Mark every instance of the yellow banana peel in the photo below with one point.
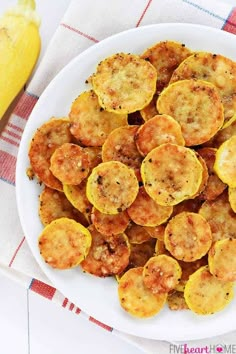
(19, 49)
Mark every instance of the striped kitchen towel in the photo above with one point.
(85, 23)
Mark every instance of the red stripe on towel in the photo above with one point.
(16, 251)
(15, 127)
(42, 289)
(77, 311)
(25, 105)
(230, 23)
(9, 141)
(71, 306)
(14, 135)
(143, 13)
(65, 302)
(108, 328)
(8, 165)
(79, 32)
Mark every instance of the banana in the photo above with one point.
(20, 45)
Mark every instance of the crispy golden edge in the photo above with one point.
(214, 186)
(108, 254)
(232, 198)
(137, 234)
(166, 56)
(221, 259)
(100, 195)
(161, 187)
(205, 176)
(210, 68)
(70, 163)
(75, 237)
(220, 217)
(156, 232)
(188, 244)
(189, 268)
(209, 123)
(110, 224)
(150, 110)
(54, 205)
(158, 130)
(161, 274)
(42, 138)
(161, 249)
(120, 146)
(216, 301)
(77, 197)
(136, 299)
(111, 96)
(145, 211)
(176, 301)
(140, 253)
(225, 158)
(90, 123)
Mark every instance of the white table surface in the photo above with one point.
(30, 324)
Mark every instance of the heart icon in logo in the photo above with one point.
(219, 349)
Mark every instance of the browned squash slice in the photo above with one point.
(78, 198)
(218, 70)
(166, 56)
(108, 255)
(171, 174)
(112, 187)
(176, 301)
(225, 166)
(158, 130)
(220, 217)
(161, 274)
(110, 224)
(45, 141)
(137, 234)
(156, 232)
(188, 236)
(150, 110)
(70, 164)
(120, 146)
(214, 186)
(189, 268)
(205, 294)
(135, 298)
(54, 205)
(197, 107)
(124, 83)
(64, 243)
(91, 124)
(222, 260)
(146, 212)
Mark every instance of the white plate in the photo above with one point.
(98, 297)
